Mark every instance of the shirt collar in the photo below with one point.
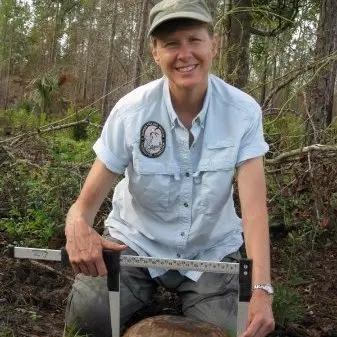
(200, 118)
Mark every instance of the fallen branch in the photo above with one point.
(17, 138)
(42, 265)
(315, 147)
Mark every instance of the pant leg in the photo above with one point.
(88, 302)
(213, 298)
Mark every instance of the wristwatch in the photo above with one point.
(267, 287)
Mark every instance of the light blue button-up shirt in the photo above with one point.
(176, 200)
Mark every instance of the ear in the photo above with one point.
(214, 46)
(155, 54)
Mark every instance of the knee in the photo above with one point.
(88, 307)
(221, 311)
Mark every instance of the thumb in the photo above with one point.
(107, 244)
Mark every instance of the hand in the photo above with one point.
(85, 246)
(260, 316)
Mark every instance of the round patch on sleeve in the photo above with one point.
(152, 140)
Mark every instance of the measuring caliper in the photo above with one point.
(115, 260)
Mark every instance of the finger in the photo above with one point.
(91, 265)
(251, 330)
(101, 268)
(107, 244)
(75, 268)
(83, 269)
(87, 262)
(265, 328)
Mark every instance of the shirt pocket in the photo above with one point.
(216, 173)
(154, 185)
(222, 155)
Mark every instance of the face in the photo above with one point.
(185, 57)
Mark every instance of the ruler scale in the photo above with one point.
(114, 260)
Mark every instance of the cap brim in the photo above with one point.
(179, 15)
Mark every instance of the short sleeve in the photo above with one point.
(252, 144)
(111, 147)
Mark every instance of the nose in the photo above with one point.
(184, 52)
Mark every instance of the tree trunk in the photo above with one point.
(321, 90)
(107, 75)
(264, 73)
(224, 23)
(53, 51)
(8, 77)
(238, 37)
(140, 43)
(88, 52)
(9, 66)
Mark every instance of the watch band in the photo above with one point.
(267, 287)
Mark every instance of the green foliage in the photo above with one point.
(14, 120)
(72, 331)
(287, 307)
(6, 331)
(331, 133)
(75, 144)
(36, 202)
(284, 132)
(44, 90)
(274, 14)
(27, 105)
(43, 176)
(68, 150)
(14, 17)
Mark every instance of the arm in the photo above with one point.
(84, 244)
(252, 193)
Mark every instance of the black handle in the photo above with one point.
(245, 280)
(112, 262)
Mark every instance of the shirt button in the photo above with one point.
(178, 255)
(187, 174)
(182, 234)
(185, 204)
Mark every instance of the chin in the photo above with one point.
(189, 85)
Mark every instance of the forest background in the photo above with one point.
(65, 63)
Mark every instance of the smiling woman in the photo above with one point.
(178, 141)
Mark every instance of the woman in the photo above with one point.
(178, 140)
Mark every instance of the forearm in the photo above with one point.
(252, 192)
(256, 232)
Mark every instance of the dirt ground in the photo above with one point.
(33, 295)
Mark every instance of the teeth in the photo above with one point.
(186, 69)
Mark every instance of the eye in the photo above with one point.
(195, 40)
(170, 44)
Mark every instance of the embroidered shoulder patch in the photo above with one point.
(152, 139)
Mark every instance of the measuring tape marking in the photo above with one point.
(179, 264)
(137, 261)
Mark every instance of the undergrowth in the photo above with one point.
(43, 174)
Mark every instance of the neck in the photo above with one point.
(188, 103)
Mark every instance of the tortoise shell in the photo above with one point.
(173, 326)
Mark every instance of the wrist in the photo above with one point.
(263, 287)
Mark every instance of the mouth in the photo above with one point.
(186, 69)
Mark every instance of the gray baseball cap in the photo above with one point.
(175, 9)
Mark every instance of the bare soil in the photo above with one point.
(33, 296)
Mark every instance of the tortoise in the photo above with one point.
(173, 326)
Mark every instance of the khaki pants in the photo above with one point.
(213, 298)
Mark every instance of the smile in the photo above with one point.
(186, 69)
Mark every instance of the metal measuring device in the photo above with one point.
(115, 260)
